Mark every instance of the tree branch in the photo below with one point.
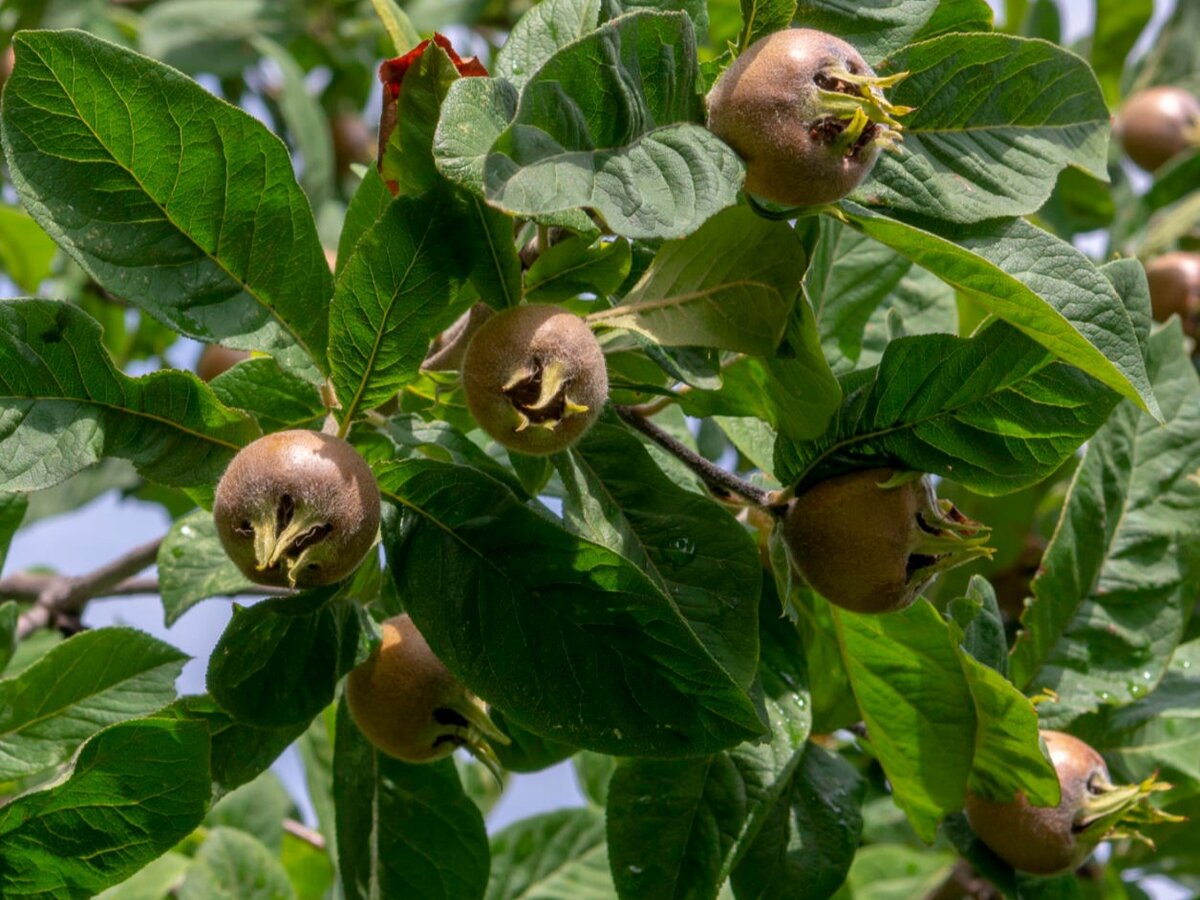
(717, 479)
(304, 833)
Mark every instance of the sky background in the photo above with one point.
(106, 528)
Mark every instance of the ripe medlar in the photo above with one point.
(535, 378)
(216, 360)
(1155, 124)
(409, 705)
(870, 541)
(1045, 840)
(1175, 289)
(297, 509)
(806, 114)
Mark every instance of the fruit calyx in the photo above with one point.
(540, 396)
(858, 116)
(944, 537)
(466, 724)
(286, 537)
(1112, 812)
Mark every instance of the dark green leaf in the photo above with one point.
(983, 628)
(974, 118)
(404, 830)
(278, 399)
(761, 17)
(1120, 576)
(9, 614)
(594, 653)
(396, 292)
(212, 35)
(257, 808)
(370, 201)
(528, 752)
(954, 16)
(136, 790)
(1118, 25)
(1033, 281)
(182, 204)
(279, 662)
(875, 27)
(65, 405)
(92, 680)
(233, 865)
(442, 441)
(559, 854)
(576, 266)
(12, 512)
(193, 566)
(594, 772)
(316, 752)
(994, 412)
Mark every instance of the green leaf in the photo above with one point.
(528, 752)
(975, 147)
(1120, 577)
(643, 166)
(994, 412)
(855, 283)
(594, 772)
(545, 29)
(370, 201)
(65, 405)
(92, 680)
(26, 251)
(928, 706)
(576, 266)
(193, 566)
(978, 615)
(316, 752)
(257, 808)
(151, 883)
(617, 667)
(278, 663)
(761, 17)
(404, 830)
(729, 285)
(136, 790)
(10, 613)
(616, 496)
(12, 512)
(442, 441)
(398, 25)
(233, 865)
(1033, 281)
(895, 872)
(211, 35)
(1119, 23)
(398, 290)
(168, 197)
(956, 15)
(875, 27)
(277, 399)
(474, 114)
(559, 854)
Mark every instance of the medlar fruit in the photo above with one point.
(408, 704)
(535, 378)
(216, 360)
(297, 509)
(872, 540)
(1155, 124)
(806, 114)
(1175, 289)
(1045, 840)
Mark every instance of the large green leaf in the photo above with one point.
(26, 251)
(559, 854)
(1118, 25)
(63, 405)
(761, 17)
(937, 718)
(616, 496)
(576, 266)
(860, 287)
(136, 790)
(729, 285)
(1033, 281)
(258, 808)
(567, 638)
(82, 685)
(976, 147)
(404, 830)
(875, 27)
(278, 399)
(397, 290)
(233, 865)
(167, 196)
(896, 872)
(607, 123)
(1120, 577)
(278, 663)
(193, 566)
(994, 412)
(548, 27)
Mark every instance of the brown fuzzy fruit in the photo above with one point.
(297, 509)
(216, 360)
(1156, 124)
(869, 541)
(1175, 289)
(535, 378)
(409, 705)
(806, 114)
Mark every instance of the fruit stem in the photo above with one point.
(717, 479)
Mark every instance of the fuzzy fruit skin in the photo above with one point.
(766, 107)
(324, 482)
(1042, 840)
(850, 539)
(1153, 124)
(216, 360)
(534, 338)
(1175, 289)
(394, 695)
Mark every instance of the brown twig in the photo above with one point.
(718, 480)
(304, 833)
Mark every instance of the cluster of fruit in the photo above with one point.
(809, 118)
